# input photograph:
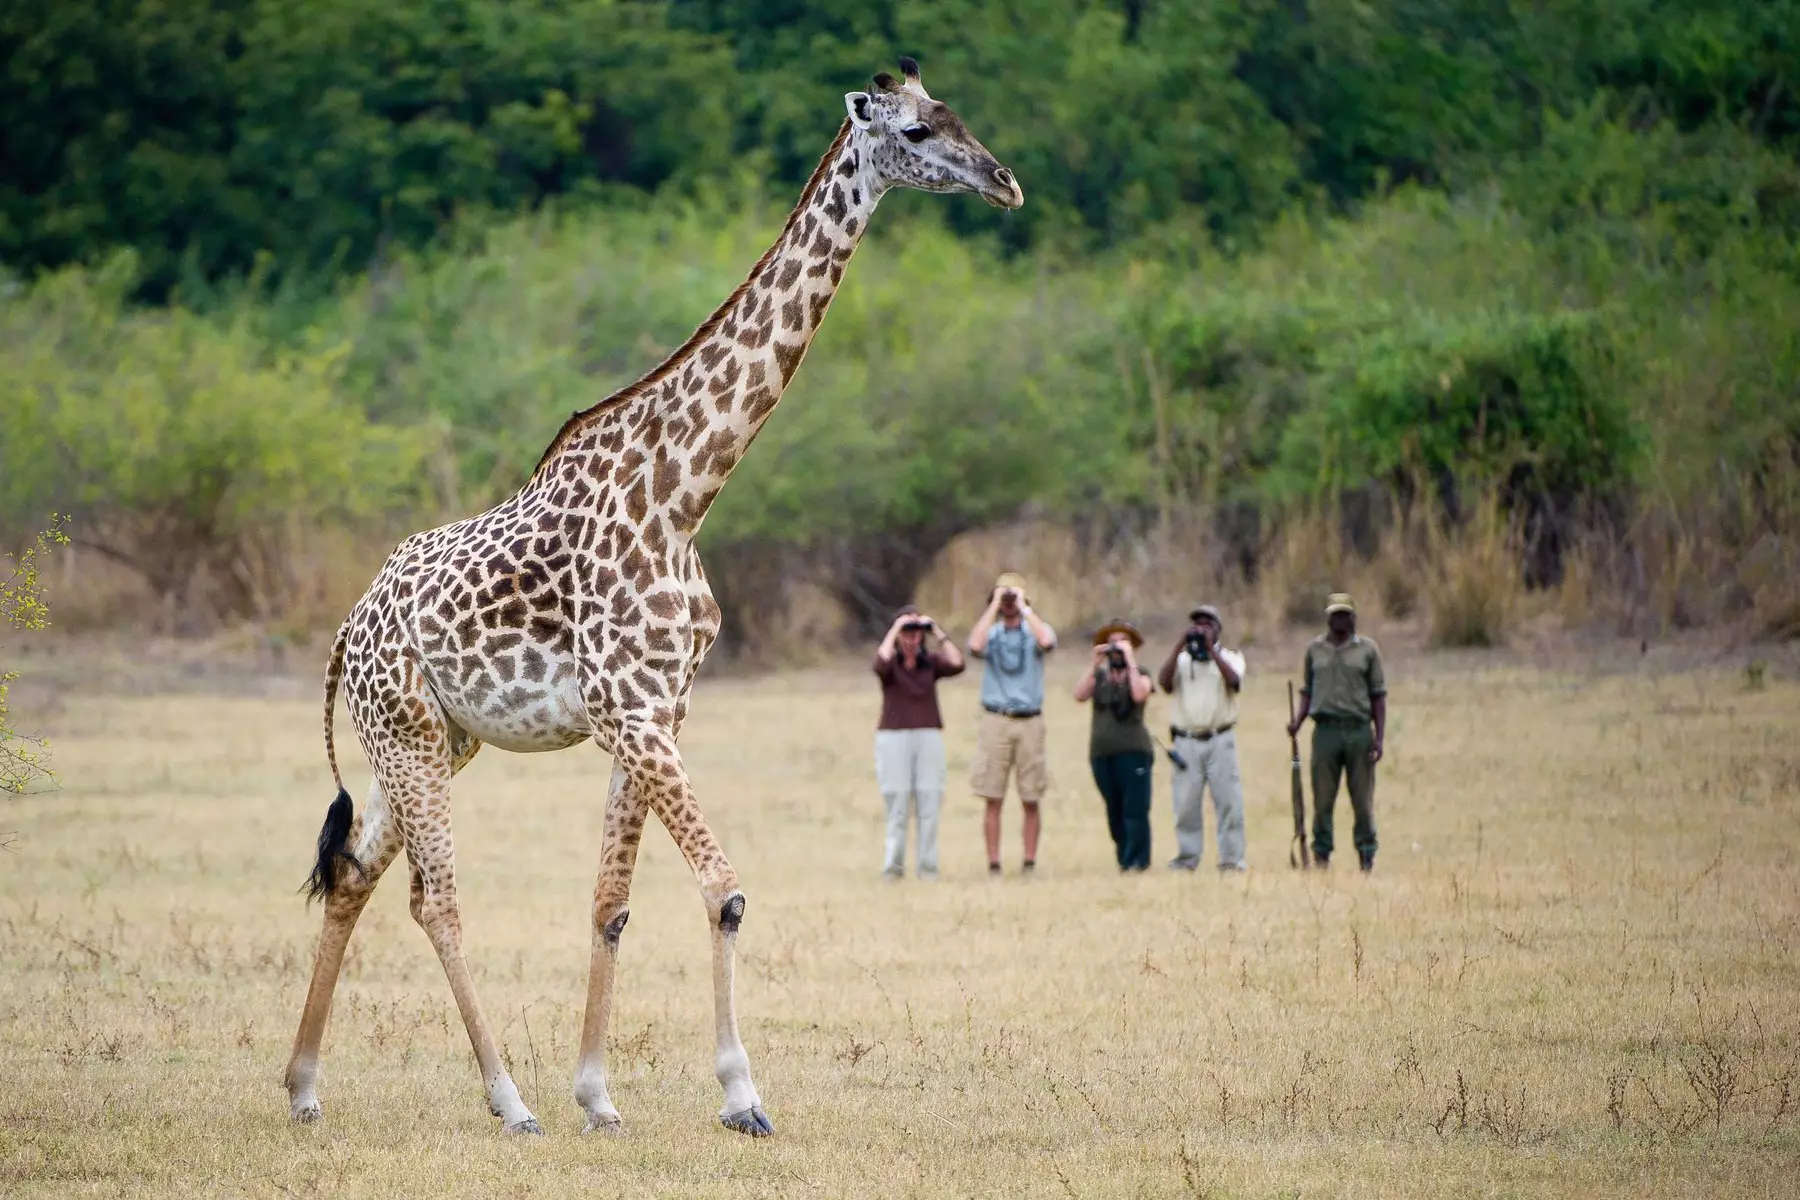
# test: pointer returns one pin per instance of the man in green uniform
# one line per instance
(1344, 692)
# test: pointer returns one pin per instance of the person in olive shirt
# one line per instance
(1119, 747)
(1344, 692)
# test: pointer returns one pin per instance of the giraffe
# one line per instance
(577, 609)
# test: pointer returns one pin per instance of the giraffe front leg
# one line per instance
(648, 754)
(743, 1109)
(625, 813)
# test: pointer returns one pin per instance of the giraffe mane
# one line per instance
(579, 419)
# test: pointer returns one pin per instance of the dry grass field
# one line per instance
(1574, 973)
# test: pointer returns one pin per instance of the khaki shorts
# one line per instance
(1005, 745)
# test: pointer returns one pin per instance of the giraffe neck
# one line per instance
(670, 440)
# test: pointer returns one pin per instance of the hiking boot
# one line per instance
(1368, 860)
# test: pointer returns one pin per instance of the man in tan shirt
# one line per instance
(1205, 678)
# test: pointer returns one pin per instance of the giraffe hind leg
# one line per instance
(418, 777)
(345, 889)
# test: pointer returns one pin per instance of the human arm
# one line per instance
(884, 653)
(1165, 678)
(951, 656)
(1305, 696)
(1378, 706)
(1227, 670)
(1040, 629)
(1084, 686)
(978, 635)
(1141, 683)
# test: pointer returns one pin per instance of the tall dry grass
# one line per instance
(1572, 973)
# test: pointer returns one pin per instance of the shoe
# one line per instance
(1321, 862)
(1230, 868)
(1029, 866)
(893, 875)
(1368, 861)
(928, 876)
(993, 870)
(1182, 864)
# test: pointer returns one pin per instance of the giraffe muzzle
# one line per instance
(1005, 193)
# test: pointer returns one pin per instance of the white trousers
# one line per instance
(910, 771)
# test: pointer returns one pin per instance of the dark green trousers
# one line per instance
(1124, 783)
(1341, 748)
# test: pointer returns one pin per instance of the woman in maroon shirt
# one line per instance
(909, 741)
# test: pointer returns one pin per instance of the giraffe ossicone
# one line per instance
(577, 608)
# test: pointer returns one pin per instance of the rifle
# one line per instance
(1297, 854)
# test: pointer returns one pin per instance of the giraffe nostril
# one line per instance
(1003, 176)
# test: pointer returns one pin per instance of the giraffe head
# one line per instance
(914, 141)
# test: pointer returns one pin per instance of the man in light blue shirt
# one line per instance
(1011, 640)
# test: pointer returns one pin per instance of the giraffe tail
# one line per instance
(334, 835)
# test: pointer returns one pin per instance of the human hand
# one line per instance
(1375, 753)
(1293, 728)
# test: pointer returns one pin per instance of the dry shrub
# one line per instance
(1394, 572)
(1474, 576)
(1304, 564)
(301, 582)
(1078, 580)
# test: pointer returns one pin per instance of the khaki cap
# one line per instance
(1339, 602)
(1010, 579)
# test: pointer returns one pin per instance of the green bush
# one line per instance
(1486, 397)
(180, 447)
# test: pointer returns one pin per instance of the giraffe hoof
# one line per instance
(753, 1122)
(528, 1126)
(306, 1114)
(606, 1124)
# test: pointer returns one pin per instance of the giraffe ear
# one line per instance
(857, 104)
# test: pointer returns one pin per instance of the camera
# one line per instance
(1196, 646)
(1115, 658)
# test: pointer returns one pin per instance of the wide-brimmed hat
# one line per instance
(1105, 633)
(1339, 602)
(1012, 579)
(1208, 611)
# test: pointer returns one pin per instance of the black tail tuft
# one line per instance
(334, 836)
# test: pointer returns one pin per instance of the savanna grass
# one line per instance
(1572, 972)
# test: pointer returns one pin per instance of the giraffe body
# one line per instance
(577, 608)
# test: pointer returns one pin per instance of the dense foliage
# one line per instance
(1274, 253)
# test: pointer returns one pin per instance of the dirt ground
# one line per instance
(1573, 973)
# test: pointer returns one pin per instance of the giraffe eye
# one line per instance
(916, 133)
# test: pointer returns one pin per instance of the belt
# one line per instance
(1015, 714)
(1200, 735)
